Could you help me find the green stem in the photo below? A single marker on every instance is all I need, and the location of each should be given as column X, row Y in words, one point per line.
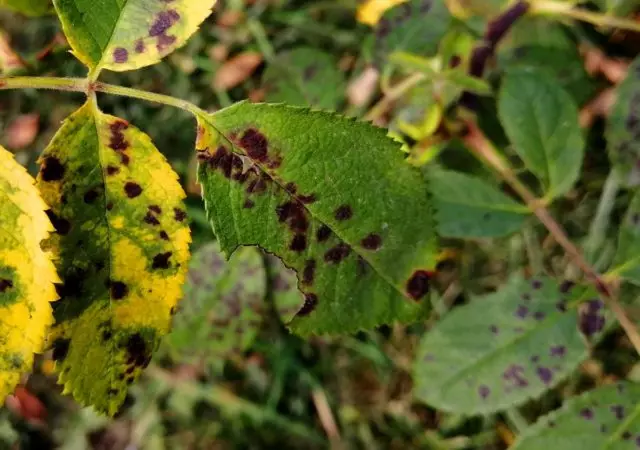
column 568, row 10
column 58, row 84
column 600, row 223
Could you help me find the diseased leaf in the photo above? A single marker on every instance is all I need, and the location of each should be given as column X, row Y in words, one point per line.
column 305, row 76
column 468, row 207
column 416, row 26
column 128, row 34
column 607, row 418
column 26, row 273
column 333, row 198
column 626, row 262
column 123, row 246
column 32, row 8
column 283, row 283
column 541, row 121
column 623, row 127
column 223, row 305
column 506, row 347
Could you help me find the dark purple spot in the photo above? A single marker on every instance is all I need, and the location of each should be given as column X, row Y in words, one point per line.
column 60, row 349
column 308, row 199
column 161, row 261
column 418, row 284
column 338, row 253
column 132, row 189
column 545, row 374
column 293, row 213
column 618, row 411
column 164, row 236
column 344, row 212
column 248, row 204
column 493, row 329
column 324, row 232
column 5, row 284
column 586, row 413
column 291, row 188
column 137, row 353
column 539, row 315
column 309, row 272
column 591, row 322
column 566, row 286
column 151, row 219
column 558, row 350
column 164, row 42
column 310, row 303
column 124, row 159
column 120, row 55
column 372, row 242
column 536, row 284
column 52, row 170
column 112, row 170
column 522, row 311
column 155, row 209
column 255, row 144
column 139, row 47
column 179, row 214
column 514, row 374
column 484, row 391
column 62, row 226
column 164, row 21
column 299, row 243
column 118, row 290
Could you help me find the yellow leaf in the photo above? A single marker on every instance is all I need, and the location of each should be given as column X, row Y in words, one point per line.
column 370, row 11
column 123, row 245
column 26, row 273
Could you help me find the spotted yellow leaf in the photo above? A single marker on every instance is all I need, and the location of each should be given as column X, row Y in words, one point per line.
column 122, row 246
column 128, row 34
column 26, row 273
column 370, row 11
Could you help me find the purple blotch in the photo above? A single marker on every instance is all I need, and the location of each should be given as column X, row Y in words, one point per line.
column 484, row 391
column 535, row 358
column 539, row 315
column 515, row 374
column 120, row 55
column 522, row 311
column 586, row 413
column 618, row 411
column 545, row 374
column 566, row 286
column 536, row 284
column 558, row 350
column 493, row 329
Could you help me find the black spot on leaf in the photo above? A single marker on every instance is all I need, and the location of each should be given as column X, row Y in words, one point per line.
column 294, row 215
column 60, row 349
column 118, row 290
column 52, row 169
column 5, row 284
column 418, row 284
column 372, row 242
column 308, row 274
column 255, row 144
column 179, row 214
column 338, row 253
column 151, row 219
column 117, row 140
column 137, row 353
column 248, row 204
column 132, row 189
column 164, row 236
column 90, row 196
column 112, row 170
column 344, row 212
column 310, row 303
column 299, row 243
column 161, row 261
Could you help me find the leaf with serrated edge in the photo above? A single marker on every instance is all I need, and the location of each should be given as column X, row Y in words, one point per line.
column 283, row 282
column 223, row 305
column 124, row 35
column 26, row 273
column 468, row 207
column 506, row 347
column 607, row 418
column 122, row 243
column 541, row 121
column 333, row 198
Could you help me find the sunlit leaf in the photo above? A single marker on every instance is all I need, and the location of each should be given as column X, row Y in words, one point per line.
column 468, row 207
column 26, row 273
column 122, row 242
column 28, row 7
column 506, row 347
column 128, row 34
column 541, row 121
column 606, row 418
column 333, row 198
column 223, row 305
column 305, row 76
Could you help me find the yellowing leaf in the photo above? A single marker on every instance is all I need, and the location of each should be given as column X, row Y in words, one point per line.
column 128, row 34
column 26, row 273
column 123, row 246
column 370, row 11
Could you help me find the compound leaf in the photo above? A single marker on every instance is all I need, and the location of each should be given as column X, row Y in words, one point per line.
column 541, row 121
column 27, row 275
column 122, row 246
column 223, row 304
column 506, row 347
column 330, row 196
column 128, row 34
column 32, row 8
column 606, row 418
column 306, row 77
column 468, row 207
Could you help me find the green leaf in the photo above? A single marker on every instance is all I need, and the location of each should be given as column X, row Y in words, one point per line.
column 305, row 76
column 416, row 26
column 541, row 121
column 468, row 207
column 283, row 284
column 32, row 8
column 330, row 196
column 223, row 305
column 122, row 245
column 128, row 34
column 606, row 418
column 623, row 127
column 26, row 273
column 626, row 262
column 505, row 347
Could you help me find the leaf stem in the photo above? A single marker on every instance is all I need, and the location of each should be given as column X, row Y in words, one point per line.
column 58, row 84
column 568, row 10
column 484, row 150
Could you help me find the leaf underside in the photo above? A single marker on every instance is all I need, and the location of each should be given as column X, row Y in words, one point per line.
column 26, row 273
column 122, row 251
column 124, row 35
column 506, row 347
column 607, row 418
column 330, row 196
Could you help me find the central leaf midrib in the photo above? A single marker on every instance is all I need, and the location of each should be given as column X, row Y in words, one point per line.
column 262, row 170
column 98, row 67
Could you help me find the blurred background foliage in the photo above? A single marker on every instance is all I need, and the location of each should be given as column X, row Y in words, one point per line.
column 231, row 376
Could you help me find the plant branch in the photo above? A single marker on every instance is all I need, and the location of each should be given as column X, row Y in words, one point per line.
column 484, row 149
column 568, row 10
